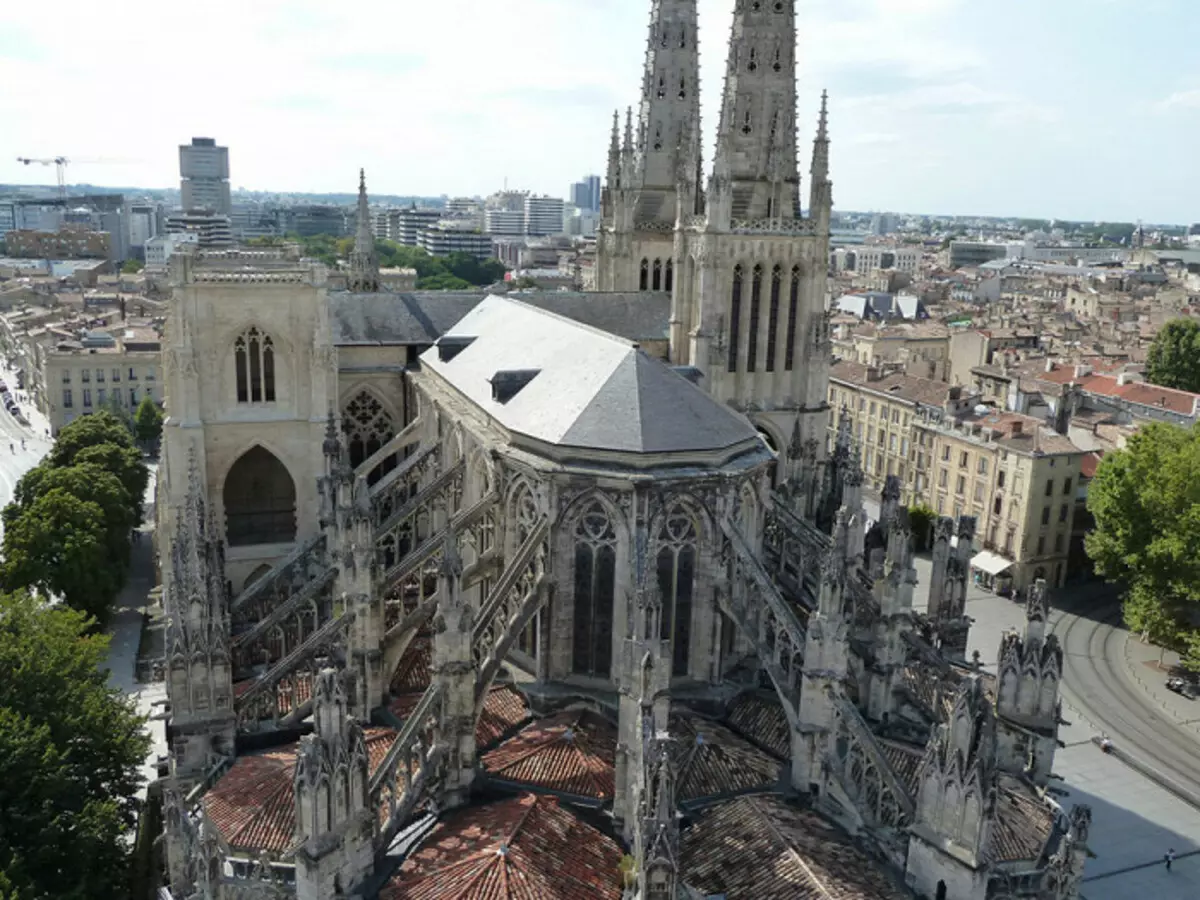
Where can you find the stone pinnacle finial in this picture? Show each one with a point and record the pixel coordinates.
(823, 121)
(364, 263)
(362, 183)
(628, 145)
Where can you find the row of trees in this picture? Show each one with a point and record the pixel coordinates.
(71, 749)
(1146, 503)
(68, 528)
(456, 272)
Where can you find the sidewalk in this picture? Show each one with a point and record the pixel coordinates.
(1142, 662)
(125, 631)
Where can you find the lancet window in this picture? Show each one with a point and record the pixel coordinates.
(595, 581)
(789, 356)
(773, 317)
(657, 283)
(735, 318)
(755, 305)
(368, 427)
(668, 275)
(644, 279)
(676, 561)
(254, 359)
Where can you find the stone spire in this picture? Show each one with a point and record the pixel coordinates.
(668, 150)
(614, 153)
(756, 136)
(820, 199)
(364, 263)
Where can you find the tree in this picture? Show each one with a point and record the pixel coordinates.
(148, 421)
(103, 439)
(71, 749)
(1174, 357)
(132, 266)
(1146, 503)
(59, 546)
(920, 520)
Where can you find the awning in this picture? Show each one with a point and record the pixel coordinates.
(990, 562)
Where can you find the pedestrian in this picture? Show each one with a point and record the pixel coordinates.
(1169, 858)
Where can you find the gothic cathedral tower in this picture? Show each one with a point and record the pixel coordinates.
(746, 269)
(654, 171)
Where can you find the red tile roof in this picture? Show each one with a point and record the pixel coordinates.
(1089, 464)
(1134, 392)
(714, 761)
(761, 847)
(1022, 826)
(503, 710)
(526, 848)
(573, 752)
(253, 806)
(412, 672)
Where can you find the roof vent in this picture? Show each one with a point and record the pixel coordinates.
(691, 373)
(502, 850)
(450, 346)
(569, 735)
(507, 384)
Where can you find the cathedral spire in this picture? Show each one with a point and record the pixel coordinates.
(669, 113)
(614, 152)
(364, 263)
(756, 134)
(820, 200)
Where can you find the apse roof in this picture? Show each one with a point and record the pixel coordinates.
(578, 386)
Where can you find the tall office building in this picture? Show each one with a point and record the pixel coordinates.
(543, 215)
(585, 194)
(204, 176)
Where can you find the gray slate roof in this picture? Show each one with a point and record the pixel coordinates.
(421, 317)
(593, 390)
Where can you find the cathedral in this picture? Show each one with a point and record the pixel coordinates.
(568, 595)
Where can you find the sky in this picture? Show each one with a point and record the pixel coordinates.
(1076, 109)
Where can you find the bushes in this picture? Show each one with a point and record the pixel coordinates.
(921, 519)
(67, 529)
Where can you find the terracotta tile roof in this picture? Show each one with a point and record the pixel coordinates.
(503, 710)
(905, 761)
(526, 848)
(760, 847)
(1023, 824)
(302, 682)
(1089, 464)
(901, 385)
(253, 806)
(763, 721)
(932, 690)
(1106, 385)
(573, 752)
(412, 672)
(713, 761)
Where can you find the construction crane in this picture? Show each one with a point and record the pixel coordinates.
(60, 164)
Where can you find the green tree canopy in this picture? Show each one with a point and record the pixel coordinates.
(148, 420)
(132, 266)
(59, 545)
(1146, 503)
(104, 440)
(70, 755)
(1174, 357)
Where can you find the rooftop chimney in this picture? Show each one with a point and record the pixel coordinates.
(1018, 428)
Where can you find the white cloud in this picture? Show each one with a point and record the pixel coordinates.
(1179, 100)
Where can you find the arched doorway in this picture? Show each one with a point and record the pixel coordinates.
(260, 500)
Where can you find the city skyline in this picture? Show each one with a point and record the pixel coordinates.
(936, 105)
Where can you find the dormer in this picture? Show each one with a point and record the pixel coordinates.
(449, 346)
(506, 384)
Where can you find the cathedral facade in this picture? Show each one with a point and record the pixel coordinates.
(473, 596)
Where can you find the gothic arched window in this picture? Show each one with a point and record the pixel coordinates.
(644, 279)
(260, 500)
(683, 88)
(662, 87)
(657, 282)
(755, 304)
(746, 122)
(683, 36)
(752, 64)
(777, 63)
(789, 353)
(735, 318)
(773, 316)
(676, 561)
(368, 427)
(254, 359)
(595, 582)
(669, 275)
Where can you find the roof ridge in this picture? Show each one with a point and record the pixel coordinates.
(617, 339)
(790, 849)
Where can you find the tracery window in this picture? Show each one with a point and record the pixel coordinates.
(735, 318)
(789, 356)
(669, 275)
(254, 359)
(755, 304)
(595, 580)
(676, 563)
(773, 317)
(657, 282)
(368, 427)
(644, 279)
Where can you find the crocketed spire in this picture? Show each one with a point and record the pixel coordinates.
(364, 262)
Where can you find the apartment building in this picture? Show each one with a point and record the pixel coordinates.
(100, 371)
(1016, 476)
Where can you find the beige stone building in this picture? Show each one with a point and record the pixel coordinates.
(100, 371)
(923, 348)
(1014, 475)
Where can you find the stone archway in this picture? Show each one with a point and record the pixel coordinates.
(260, 500)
